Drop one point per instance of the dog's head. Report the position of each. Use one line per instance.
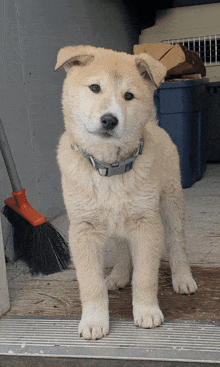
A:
(107, 95)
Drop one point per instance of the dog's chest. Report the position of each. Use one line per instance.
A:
(111, 195)
(112, 202)
(120, 200)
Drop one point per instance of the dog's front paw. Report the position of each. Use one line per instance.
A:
(184, 284)
(94, 323)
(147, 316)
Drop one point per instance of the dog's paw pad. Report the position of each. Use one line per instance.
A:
(147, 317)
(111, 283)
(94, 324)
(184, 285)
(92, 332)
(114, 283)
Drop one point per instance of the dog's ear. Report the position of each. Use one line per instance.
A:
(148, 67)
(73, 55)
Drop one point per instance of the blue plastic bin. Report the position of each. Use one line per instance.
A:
(180, 110)
(213, 121)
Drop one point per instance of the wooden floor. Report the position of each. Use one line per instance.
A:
(58, 295)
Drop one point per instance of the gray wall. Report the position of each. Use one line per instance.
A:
(32, 32)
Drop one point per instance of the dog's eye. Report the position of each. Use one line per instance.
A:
(95, 88)
(128, 96)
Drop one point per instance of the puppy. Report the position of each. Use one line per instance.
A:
(121, 181)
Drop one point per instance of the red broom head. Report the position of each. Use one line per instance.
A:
(19, 204)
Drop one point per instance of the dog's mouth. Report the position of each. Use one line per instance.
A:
(103, 134)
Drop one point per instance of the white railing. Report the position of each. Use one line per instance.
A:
(207, 47)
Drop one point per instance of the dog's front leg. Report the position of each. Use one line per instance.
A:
(87, 252)
(146, 243)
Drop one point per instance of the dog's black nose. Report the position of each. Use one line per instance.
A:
(109, 121)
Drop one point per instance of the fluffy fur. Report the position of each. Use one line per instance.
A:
(141, 210)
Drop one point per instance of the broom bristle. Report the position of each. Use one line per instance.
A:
(42, 247)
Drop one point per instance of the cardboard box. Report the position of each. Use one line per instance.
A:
(156, 50)
(177, 58)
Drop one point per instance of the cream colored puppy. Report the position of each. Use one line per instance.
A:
(121, 180)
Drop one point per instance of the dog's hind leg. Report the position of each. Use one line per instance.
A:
(173, 214)
(121, 272)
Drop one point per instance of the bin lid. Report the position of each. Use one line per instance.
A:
(184, 83)
(213, 85)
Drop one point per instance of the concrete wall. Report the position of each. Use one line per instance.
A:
(184, 22)
(32, 33)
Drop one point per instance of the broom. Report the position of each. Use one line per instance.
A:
(36, 241)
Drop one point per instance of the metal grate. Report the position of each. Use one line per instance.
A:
(207, 47)
(182, 341)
